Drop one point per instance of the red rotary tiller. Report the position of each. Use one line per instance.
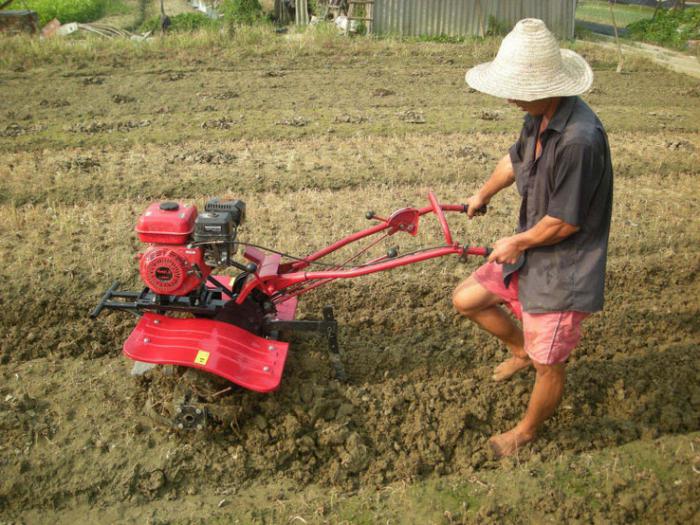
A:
(235, 322)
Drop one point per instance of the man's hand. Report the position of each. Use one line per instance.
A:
(474, 204)
(548, 231)
(506, 250)
(502, 177)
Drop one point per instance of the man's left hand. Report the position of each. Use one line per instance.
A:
(506, 250)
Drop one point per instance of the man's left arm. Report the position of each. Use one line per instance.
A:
(549, 230)
(577, 173)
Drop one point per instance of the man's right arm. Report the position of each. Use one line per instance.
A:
(501, 177)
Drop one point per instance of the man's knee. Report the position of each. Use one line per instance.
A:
(552, 370)
(462, 302)
(469, 298)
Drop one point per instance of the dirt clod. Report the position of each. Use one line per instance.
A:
(220, 123)
(123, 99)
(383, 92)
(412, 117)
(108, 127)
(295, 121)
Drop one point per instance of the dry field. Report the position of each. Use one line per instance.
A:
(311, 132)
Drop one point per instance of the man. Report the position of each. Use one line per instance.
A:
(551, 274)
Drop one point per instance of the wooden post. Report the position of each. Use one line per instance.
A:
(283, 14)
(621, 58)
(480, 17)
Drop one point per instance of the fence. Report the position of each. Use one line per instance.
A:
(469, 17)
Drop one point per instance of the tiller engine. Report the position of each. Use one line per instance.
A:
(230, 326)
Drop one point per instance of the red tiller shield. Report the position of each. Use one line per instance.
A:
(220, 348)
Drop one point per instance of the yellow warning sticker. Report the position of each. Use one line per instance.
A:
(202, 357)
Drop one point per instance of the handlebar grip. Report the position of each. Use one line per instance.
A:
(480, 211)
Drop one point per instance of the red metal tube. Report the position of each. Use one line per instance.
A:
(441, 217)
(290, 274)
(275, 283)
(299, 265)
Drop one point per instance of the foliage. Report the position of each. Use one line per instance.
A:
(598, 11)
(181, 22)
(497, 27)
(68, 10)
(669, 28)
(313, 6)
(245, 12)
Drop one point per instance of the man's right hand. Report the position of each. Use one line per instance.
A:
(502, 176)
(474, 204)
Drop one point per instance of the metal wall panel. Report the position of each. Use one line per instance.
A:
(468, 17)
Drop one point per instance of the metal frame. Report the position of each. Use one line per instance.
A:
(289, 275)
(271, 289)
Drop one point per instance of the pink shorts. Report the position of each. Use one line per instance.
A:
(549, 337)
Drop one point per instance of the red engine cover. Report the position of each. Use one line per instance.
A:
(173, 270)
(167, 223)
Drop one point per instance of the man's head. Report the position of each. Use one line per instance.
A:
(530, 67)
(535, 107)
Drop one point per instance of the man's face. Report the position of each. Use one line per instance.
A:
(534, 108)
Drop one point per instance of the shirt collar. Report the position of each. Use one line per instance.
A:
(559, 120)
(562, 114)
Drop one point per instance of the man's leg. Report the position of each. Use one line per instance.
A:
(474, 301)
(545, 398)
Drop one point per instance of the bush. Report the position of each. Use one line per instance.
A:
(182, 22)
(497, 27)
(242, 11)
(67, 10)
(671, 28)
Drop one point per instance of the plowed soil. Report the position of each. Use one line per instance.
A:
(311, 136)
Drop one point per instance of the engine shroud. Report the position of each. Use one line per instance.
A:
(173, 270)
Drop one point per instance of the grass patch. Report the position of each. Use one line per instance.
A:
(598, 11)
(21, 53)
(184, 22)
(668, 28)
(73, 10)
(242, 11)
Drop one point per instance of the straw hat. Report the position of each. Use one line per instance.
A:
(530, 66)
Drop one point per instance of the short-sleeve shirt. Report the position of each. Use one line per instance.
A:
(572, 180)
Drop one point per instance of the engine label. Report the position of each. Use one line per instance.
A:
(202, 357)
(164, 274)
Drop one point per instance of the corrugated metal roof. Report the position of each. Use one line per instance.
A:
(468, 17)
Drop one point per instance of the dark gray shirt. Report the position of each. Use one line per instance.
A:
(572, 180)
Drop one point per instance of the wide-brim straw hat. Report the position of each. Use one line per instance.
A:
(531, 66)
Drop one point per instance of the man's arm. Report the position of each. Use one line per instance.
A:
(501, 177)
(549, 230)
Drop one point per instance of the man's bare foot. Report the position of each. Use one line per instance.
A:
(509, 367)
(508, 443)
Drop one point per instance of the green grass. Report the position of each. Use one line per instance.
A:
(669, 28)
(599, 11)
(184, 22)
(73, 10)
